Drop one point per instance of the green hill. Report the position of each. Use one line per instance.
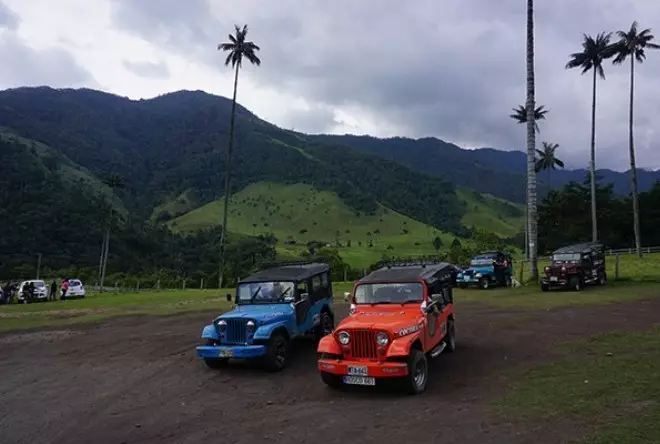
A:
(491, 213)
(297, 214)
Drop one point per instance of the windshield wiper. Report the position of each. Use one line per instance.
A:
(255, 293)
(281, 298)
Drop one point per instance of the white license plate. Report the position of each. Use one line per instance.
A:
(226, 353)
(357, 370)
(358, 380)
(553, 278)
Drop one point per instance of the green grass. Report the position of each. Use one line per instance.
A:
(491, 213)
(531, 297)
(302, 213)
(610, 382)
(100, 306)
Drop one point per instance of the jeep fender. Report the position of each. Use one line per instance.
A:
(209, 332)
(266, 331)
(329, 345)
(400, 347)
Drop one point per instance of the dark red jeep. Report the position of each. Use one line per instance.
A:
(574, 266)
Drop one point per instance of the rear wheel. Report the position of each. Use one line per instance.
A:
(418, 372)
(325, 327)
(450, 338)
(277, 352)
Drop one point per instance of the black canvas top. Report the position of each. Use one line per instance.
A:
(292, 272)
(579, 248)
(408, 273)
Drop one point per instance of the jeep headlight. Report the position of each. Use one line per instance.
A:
(478, 275)
(344, 338)
(382, 339)
(250, 326)
(222, 325)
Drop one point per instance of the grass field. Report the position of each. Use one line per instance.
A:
(611, 380)
(301, 213)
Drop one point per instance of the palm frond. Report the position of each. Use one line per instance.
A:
(559, 163)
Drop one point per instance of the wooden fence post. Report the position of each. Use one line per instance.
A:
(616, 267)
(201, 284)
(158, 284)
(522, 266)
(184, 284)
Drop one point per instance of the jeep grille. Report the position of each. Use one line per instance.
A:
(236, 331)
(364, 344)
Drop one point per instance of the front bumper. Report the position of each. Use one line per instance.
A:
(559, 282)
(231, 351)
(339, 367)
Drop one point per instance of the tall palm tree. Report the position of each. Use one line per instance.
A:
(520, 116)
(633, 44)
(594, 52)
(531, 148)
(115, 182)
(548, 161)
(238, 48)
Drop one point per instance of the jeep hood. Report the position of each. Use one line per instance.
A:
(391, 318)
(263, 313)
(479, 269)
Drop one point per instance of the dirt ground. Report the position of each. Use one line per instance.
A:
(137, 380)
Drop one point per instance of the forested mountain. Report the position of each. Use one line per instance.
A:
(487, 170)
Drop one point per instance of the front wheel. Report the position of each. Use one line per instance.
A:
(484, 283)
(216, 363)
(418, 372)
(575, 283)
(545, 287)
(277, 352)
(332, 381)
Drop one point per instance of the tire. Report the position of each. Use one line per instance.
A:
(325, 327)
(575, 283)
(332, 381)
(484, 283)
(216, 363)
(418, 372)
(545, 287)
(602, 278)
(450, 338)
(277, 353)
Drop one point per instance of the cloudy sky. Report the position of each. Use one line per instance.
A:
(446, 68)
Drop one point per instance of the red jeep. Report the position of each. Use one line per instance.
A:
(399, 316)
(574, 266)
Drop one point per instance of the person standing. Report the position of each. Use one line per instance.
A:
(52, 296)
(64, 287)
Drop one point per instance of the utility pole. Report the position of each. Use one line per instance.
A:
(38, 265)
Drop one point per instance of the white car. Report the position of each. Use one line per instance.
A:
(76, 289)
(40, 291)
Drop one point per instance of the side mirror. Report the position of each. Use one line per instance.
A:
(228, 297)
(347, 296)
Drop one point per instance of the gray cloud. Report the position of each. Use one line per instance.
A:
(148, 69)
(31, 67)
(8, 18)
(452, 70)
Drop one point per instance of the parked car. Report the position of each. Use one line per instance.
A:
(76, 289)
(40, 291)
(400, 316)
(272, 307)
(486, 271)
(575, 266)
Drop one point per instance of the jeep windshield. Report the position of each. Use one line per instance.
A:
(389, 293)
(265, 292)
(482, 260)
(566, 257)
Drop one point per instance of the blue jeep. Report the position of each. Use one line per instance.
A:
(487, 269)
(272, 307)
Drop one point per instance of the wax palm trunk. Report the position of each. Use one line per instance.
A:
(633, 169)
(531, 147)
(592, 164)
